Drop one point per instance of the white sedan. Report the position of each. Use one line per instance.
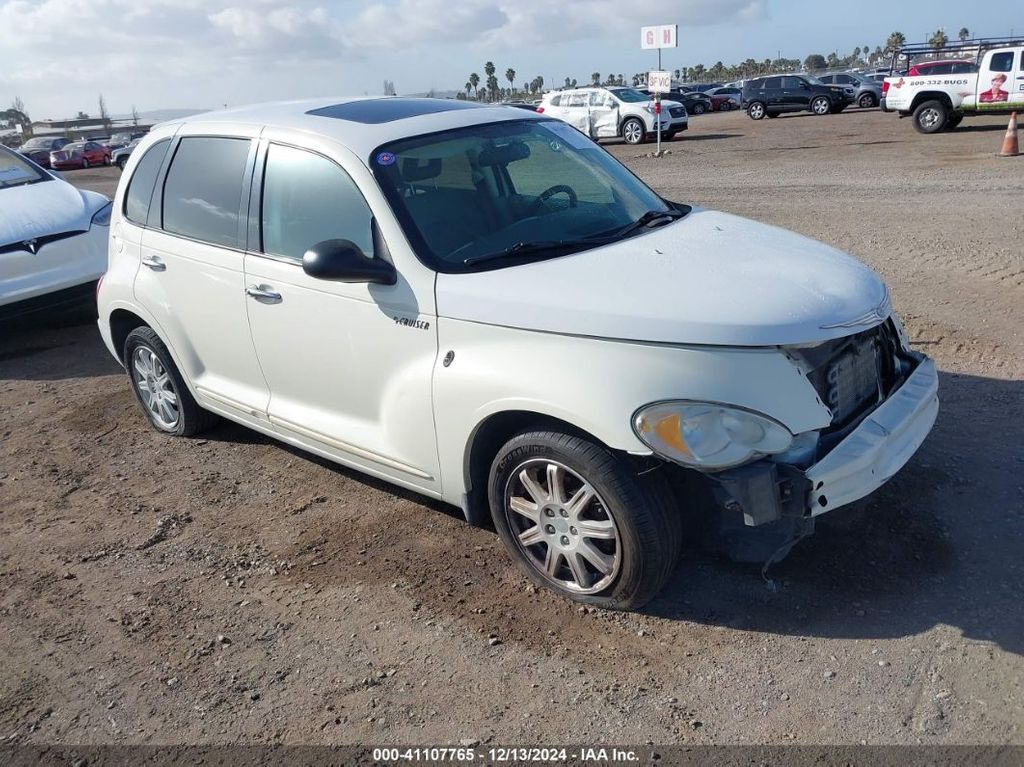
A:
(53, 237)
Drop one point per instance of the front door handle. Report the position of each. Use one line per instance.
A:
(155, 263)
(264, 294)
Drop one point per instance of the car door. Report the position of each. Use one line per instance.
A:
(604, 115)
(771, 94)
(997, 84)
(349, 365)
(795, 93)
(191, 278)
(576, 110)
(93, 153)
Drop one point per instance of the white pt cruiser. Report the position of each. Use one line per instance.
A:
(482, 305)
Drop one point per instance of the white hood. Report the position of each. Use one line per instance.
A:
(45, 208)
(709, 278)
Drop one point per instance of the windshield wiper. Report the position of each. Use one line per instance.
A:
(539, 247)
(649, 218)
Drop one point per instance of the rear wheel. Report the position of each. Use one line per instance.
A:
(931, 117)
(121, 162)
(633, 131)
(820, 105)
(159, 387)
(755, 110)
(85, 163)
(580, 521)
(106, 160)
(867, 101)
(698, 109)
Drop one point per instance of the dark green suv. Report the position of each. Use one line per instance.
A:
(771, 96)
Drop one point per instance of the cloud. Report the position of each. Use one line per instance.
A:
(60, 54)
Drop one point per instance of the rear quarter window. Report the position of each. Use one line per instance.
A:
(203, 190)
(140, 186)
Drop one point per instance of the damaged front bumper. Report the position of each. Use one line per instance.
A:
(855, 467)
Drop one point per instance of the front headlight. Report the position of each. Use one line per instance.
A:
(708, 436)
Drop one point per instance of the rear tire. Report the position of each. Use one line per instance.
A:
(698, 109)
(85, 164)
(867, 101)
(159, 388)
(615, 549)
(121, 162)
(756, 110)
(931, 117)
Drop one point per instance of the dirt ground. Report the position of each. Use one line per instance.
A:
(230, 589)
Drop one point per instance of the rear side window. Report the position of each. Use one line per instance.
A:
(203, 190)
(555, 100)
(773, 82)
(140, 187)
(1002, 62)
(308, 199)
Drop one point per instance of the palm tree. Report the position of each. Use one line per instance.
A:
(596, 77)
(896, 41)
(510, 75)
(938, 41)
(964, 33)
(474, 80)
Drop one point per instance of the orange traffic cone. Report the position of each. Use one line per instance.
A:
(1011, 147)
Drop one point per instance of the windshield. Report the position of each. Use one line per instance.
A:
(467, 194)
(630, 95)
(37, 143)
(15, 170)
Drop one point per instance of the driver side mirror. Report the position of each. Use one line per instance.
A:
(344, 261)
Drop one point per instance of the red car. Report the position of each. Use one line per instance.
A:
(942, 68)
(724, 99)
(80, 154)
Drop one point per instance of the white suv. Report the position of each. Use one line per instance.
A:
(615, 112)
(482, 305)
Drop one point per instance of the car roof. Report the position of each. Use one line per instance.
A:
(363, 124)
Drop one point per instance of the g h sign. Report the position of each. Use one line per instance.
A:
(663, 36)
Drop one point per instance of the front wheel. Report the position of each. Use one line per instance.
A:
(85, 164)
(159, 387)
(121, 162)
(867, 101)
(931, 117)
(756, 111)
(698, 109)
(106, 160)
(633, 131)
(580, 520)
(821, 105)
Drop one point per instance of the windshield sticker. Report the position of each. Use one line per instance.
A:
(386, 158)
(569, 135)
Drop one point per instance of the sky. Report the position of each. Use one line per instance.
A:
(59, 55)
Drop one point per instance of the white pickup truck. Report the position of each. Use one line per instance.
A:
(940, 87)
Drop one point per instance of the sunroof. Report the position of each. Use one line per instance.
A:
(373, 111)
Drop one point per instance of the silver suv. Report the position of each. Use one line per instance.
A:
(615, 113)
(866, 92)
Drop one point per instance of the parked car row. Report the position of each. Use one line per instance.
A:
(776, 94)
(63, 153)
(616, 112)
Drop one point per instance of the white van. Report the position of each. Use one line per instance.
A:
(482, 305)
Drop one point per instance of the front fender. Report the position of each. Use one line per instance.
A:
(597, 385)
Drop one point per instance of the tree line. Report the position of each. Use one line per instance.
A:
(490, 88)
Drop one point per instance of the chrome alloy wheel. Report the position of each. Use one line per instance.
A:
(155, 387)
(929, 118)
(821, 106)
(563, 526)
(633, 132)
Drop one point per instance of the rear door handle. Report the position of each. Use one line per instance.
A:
(264, 294)
(155, 263)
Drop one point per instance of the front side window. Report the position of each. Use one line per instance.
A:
(308, 199)
(203, 190)
(533, 182)
(140, 186)
(792, 83)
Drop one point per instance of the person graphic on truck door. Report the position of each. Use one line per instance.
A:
(996, 92)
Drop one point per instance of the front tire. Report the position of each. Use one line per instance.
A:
(121, 162)
(756, 111)
(820, 105)
(159, 387)
(578, 519)
(633, 131)
(698, 109)
(931, 117)
(867, 101)
(85, 164)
